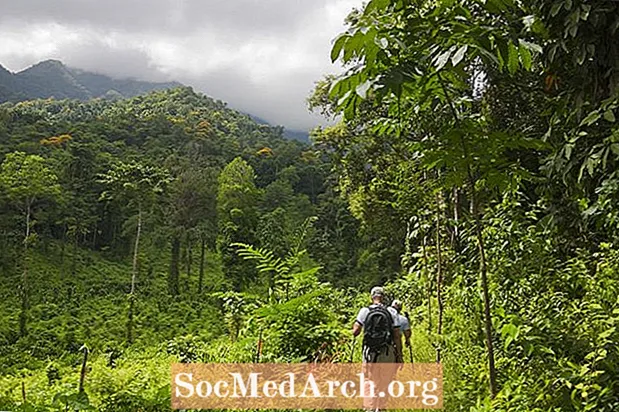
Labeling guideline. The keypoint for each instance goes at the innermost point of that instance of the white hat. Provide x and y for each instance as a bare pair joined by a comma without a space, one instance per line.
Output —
377,291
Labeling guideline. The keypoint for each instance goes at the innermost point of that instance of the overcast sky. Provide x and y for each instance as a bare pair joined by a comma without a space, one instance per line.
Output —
261,56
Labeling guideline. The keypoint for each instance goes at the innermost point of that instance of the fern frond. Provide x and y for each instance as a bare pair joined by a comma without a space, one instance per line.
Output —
300,235
266,260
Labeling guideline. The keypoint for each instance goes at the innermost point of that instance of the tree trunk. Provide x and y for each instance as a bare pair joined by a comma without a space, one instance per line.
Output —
63,243
482,253
202,257
427,274
188,263
487,315
134,271
173,286
486,294
23,316
136,251
94,237
439,280
130,319
455,241
75,252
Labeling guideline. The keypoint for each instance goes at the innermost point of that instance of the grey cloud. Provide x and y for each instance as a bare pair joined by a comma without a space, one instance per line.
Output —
265,101
119,63
261,56
170,16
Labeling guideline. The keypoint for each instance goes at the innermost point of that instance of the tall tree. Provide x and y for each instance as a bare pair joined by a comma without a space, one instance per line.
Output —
237,202
27,179
191,211
138,184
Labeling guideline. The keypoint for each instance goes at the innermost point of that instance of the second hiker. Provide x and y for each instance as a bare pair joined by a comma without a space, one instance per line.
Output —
405,328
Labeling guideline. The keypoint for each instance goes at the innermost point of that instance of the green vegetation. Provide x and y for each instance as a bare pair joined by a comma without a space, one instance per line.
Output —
473,171
487,131
164,227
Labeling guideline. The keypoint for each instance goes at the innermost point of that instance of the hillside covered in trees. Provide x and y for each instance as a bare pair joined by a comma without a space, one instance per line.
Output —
135,225
472,171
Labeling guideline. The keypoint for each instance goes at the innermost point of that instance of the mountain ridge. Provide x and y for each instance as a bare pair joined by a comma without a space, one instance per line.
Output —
53,79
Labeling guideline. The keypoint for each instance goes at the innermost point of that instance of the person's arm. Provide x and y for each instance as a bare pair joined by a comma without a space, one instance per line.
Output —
407,337
405,327
359,320
356,328
397,337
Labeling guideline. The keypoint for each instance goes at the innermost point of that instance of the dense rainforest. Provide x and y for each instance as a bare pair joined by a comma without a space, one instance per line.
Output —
472,170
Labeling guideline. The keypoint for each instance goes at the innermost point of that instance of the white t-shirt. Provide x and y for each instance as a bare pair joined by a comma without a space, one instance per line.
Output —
363,314
404,323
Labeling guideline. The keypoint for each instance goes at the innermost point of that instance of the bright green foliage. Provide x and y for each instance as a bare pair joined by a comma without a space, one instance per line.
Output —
237,202
299,321
135,182
237,190
28,178
472,171
282,272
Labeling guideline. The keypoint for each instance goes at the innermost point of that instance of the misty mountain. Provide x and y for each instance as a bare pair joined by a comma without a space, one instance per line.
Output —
51,78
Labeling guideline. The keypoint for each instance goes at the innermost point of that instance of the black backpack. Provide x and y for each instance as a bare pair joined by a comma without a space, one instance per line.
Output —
378,328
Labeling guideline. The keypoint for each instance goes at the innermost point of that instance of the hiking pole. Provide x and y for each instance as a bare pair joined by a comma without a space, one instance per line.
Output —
410,346
352,349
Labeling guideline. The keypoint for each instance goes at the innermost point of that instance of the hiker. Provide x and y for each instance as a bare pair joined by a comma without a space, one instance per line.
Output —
382,342
405,327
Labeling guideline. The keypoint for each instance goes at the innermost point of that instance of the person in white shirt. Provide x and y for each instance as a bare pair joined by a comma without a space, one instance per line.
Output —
405,327
382,342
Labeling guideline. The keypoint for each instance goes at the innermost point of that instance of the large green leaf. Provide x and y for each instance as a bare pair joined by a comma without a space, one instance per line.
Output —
525,57
609,116
337,46
512,58
459,55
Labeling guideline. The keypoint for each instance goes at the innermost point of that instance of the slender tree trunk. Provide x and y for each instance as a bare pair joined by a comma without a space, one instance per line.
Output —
136,249
439,279
259,347
483,269
75,251
189,262
174,274
133,277
94,237
63,243
456,212
487,314
23,316
202,257
482,253
427,274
